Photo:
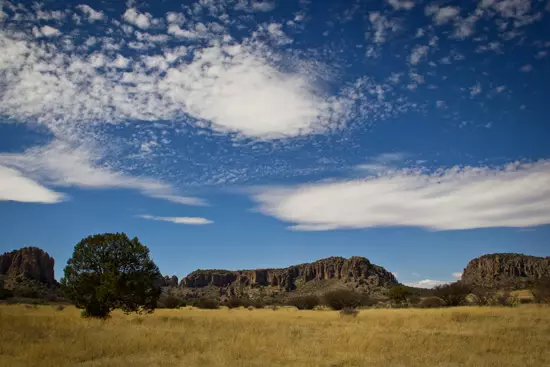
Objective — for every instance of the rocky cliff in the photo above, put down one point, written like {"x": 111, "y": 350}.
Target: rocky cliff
{"x": 506, "y": 270}
{"x": 356, "y": 272}
{"x": 28, "y": 263}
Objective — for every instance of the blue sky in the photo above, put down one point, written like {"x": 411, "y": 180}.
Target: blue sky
{"x": 242, "y": 133}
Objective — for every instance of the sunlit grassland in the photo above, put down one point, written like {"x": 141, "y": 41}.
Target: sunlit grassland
{"x": 465, "y": 336}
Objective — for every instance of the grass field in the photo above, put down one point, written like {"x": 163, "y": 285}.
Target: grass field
{"x": 466, "y": 336}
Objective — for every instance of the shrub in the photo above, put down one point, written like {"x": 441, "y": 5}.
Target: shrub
{"x": 414, "y": 300}
{"x": 483, "y": 296}
{"x": 430, "y": 302}
{"x": 398, "y": 294}
{"x": 5, "y": 293}
{"x": 348, "y": 311}
{"x": 506, "y": 299}
{"x": 208, "y": 304}
{"x": 304, "y": 302}
{"x": 234, "y": 302}
{"x": 541, "y": 292}
{"x": 258, "y": 304}
{"x": 250, "y": 308}
{"x": 171, "y": 301}
{"x": 340, "y": 299}
{"x": 453, "y": 294}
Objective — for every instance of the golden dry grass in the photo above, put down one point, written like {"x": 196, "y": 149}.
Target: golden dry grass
{"x": 467, "y": 336}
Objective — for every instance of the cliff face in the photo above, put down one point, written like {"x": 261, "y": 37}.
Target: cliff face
{"x": 29, "y": 263}
{"x": 355, "y": 269}
{"x": 506, "y": 270}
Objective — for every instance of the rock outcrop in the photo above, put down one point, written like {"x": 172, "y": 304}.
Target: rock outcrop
{"x": 356, "y": 270}
{"x": 506, "y": 270}
{"x": 168, "y": 281}
{"x": 28, "y": 263}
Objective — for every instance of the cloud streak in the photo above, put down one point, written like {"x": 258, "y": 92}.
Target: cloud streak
{"x": 515, "y": 195}
{"x": 61, "y": 165}
{"x": 194, "y": 221}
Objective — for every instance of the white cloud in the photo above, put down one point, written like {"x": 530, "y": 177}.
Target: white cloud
{"x": 255, "y": 5}
{"x": 93, "y": 15}
{"x": 179, "y": 220}
{"x": 457, "y": 275}
{"x": 442, "y": 15}
{"x": 247, "y": 88}
{"x": 527, "y": 68}
{"x": 418, "y": 53}
{"x": 427, "y": 283}
{"x": 176, "y": 31}
{"x": 276, "y": 33}
{"x": 46, "y": 31}
{"x": 381, "y": 25}
{"x": 16, "y": 187}
{"x": 475, "y": 90}
{"x": 121, "y": 62}
{"x": 59, "y": 164}
{"x": 516, "y": 195}
{"x": 401, "y": 4}
{"x": 140, "y": 20}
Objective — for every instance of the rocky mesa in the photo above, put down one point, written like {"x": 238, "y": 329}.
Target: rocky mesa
{"x": 356, "y": 272}
{"x": 506, "y": 270}
{"x": 28, "y": 263}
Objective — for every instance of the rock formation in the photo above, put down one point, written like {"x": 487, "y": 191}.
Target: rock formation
{"x": 355, "y": 271}
{"x": 28, "y": 263}
{"x": 506, "y": 270}
{"x": 168, "y": 281}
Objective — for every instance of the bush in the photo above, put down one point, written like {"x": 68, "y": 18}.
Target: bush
{"x": 541, "y": 292}
{"x": 453, "y": 294}
{"x": 506, "y": 299}
{"x": 430, "y": 302}
{"x": 171, "y": 301}
{"x": 340, "y": 299}
{"x": 483, "y": 296}
{"x": 5, "y": 293}
{"x": 257, "y": 304}
{"x": 398, "y": 294}
{"x": 304, "y": 302}
{"x": 234, "y": 302}
{"x": 208, "y": 304}
{"x": 348, "y": 311}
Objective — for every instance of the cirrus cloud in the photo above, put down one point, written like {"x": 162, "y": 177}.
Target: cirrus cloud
{"x": 197, "y": 221}
{"x": 515, "y": 195}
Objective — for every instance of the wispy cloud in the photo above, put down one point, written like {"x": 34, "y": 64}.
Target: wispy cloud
{"x": 515, "y": 195}
{"x": 61, "y": 165}
{"x": 427, "y": 283}
{"x": 457, "y": 275}
{"x": 14, "y": 186}
{"x": 179, "y": 220}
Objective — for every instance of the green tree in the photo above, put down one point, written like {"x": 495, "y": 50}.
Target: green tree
{"x": 399, "y": 294}
{"x": 109, "y": 271}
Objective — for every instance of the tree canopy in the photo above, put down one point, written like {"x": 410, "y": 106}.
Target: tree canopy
{"x": 109, "y": 271}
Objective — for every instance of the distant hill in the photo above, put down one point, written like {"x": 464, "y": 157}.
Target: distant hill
{"x": 28, "y": 272}
{"x": 311, "y": 278}
{"x": 515, "y": 271}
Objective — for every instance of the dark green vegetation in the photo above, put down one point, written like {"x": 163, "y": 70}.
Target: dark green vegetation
{"x": 110, "y": 271}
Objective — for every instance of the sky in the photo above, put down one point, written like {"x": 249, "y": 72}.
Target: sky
{"x": 244, "y": 134}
